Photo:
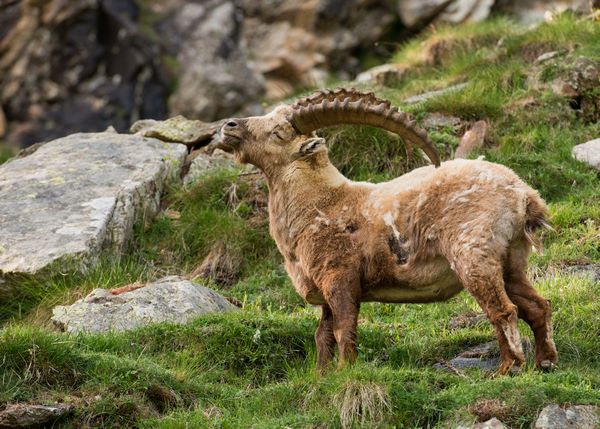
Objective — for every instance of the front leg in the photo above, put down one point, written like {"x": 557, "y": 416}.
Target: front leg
{"x": 325, "y": 339}
{"x": 342, "y": 293}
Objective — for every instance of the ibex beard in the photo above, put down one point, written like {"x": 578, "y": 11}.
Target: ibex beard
{"x": 422, "y": 237}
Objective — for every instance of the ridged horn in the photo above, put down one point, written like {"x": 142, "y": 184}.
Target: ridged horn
{"x": 349, "y": 106}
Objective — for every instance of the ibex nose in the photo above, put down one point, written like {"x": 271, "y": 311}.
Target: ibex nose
{"x": 232, "y": 124}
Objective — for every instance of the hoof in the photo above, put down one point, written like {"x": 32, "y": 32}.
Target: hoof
{"x": 547, "y": 366}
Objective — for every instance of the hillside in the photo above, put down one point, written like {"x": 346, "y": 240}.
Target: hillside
{"x": 255, "y": 367}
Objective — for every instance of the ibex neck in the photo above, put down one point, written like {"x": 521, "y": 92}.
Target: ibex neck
{"x": 307, "y": 180}
{"x": 299, "y": 191}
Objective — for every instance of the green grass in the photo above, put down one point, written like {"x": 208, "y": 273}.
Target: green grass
{"x": 255, "y": 367}
{"x": 5, "y": 153}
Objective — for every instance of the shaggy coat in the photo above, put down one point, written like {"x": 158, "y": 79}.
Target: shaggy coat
{"x": 422, "y": 237}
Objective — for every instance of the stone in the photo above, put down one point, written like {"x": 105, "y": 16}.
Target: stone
{"x": 416, "y": 13}
{"x": 436, "y": 120}
{"x": 533, "y": 12}
{"x": 15, "y": 416}
{"x": 76, "y": 196}
{"x": 383, "y": 75}
{"x": 467, "y": 11}
{"x": 547, "y": 56}
{"x": 171, "y": 299}
{"x": 472, "y": 140}
{"x": 178, "y": 129}
{"x": 432, "y": 94}
{"x": 572, "y": 417}
{"x": 591, "y": 270}
{"x": 589, "y": 153}
{"x": 80, "y": 65}
{"x": 217, "y": 78}
{"x": 485, "y": 356}
{"x": 492, "y": 423}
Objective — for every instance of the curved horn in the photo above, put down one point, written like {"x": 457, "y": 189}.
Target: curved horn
{"x": 341, "y": 106}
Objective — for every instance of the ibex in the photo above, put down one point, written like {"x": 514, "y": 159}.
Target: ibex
{"x": 422, "y": 237}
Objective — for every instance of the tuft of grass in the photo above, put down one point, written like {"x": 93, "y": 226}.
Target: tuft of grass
{"x": 362, "y": 403}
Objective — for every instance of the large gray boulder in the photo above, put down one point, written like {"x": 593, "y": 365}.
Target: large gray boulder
{"x": 171, "y": 299}
{"x": 78, "y": 195}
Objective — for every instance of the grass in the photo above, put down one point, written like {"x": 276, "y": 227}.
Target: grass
{"x": 255, "y": 367}
{"x": 5, "y": 153}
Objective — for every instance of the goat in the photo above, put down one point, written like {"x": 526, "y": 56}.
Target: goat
{"x": 419, "y": 238}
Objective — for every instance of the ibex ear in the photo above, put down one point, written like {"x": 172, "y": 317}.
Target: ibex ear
{"x": 310, "y": 146}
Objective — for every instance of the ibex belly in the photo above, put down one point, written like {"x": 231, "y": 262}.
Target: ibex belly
{"x": 437, "y": 282}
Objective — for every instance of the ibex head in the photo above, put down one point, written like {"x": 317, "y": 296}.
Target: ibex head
{"x": 287, "y": 133}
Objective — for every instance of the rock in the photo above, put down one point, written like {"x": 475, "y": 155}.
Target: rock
{"x": 589, "y": 153}
{"x": 171, "y": 299}
{"x": 15, "y": 416}
{"x": 467, "y": 11}
{"x": 572, "y": 417}
{"x": 78, "y": 195}
{"x": 574, "y": 78}
{"x": 384, "y": 75}
{"x": 547, "y": 56}
{"x": 472, "y": 139}
{"x": 203, "y": 164}
{"x": 216, "y": 77}
{"x": 485, "y": 356}
{"x": 492, "y": 423}
{"x": 531, "y": 12}
{"x": 592, "y": 270}
{"x": 437, "y": 120}
{"x": 179, "y": 129}
{"x": 432, "y": 94}
{"x": 415, "y": 13}
{"x": 76, "y": 66}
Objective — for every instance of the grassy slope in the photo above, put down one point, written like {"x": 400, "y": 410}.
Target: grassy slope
{"x": 255, "y": 368}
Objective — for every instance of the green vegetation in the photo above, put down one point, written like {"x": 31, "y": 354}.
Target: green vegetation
{"x": 255, "y": 368}
{"x": 5, "y": 153}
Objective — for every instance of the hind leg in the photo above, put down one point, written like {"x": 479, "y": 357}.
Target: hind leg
{"x": 533, "y": 308}
{"x": 482, "y": 277}
{"x": 536, "y": 311}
